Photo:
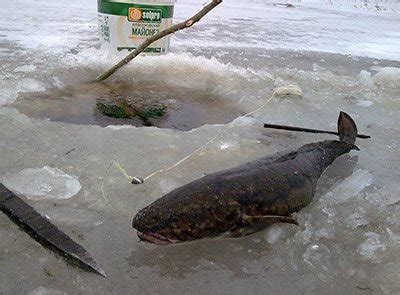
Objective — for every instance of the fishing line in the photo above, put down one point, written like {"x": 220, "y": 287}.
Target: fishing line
{"x": 140, "y": 180}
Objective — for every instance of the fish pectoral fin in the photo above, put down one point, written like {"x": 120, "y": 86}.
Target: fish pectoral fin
{"x": 279, "y": 218}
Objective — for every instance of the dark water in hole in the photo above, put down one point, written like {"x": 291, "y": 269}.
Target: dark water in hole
{"x": 184, "y": 109}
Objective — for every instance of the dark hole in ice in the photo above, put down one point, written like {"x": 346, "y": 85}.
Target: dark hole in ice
{"x": 121, "y": 103}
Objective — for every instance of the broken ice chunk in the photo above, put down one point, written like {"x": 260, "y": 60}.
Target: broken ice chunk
{"x": 318, "y": 256}
{"x": 372, "y": 247}
{"x": 25, "y": 69}
{"x": 365, "y": 79}
{"x": 387, "y": 195}
{"x": 42, "y": 183}
{"x": 30, "y": 85}
{"x": 317, "y": 68}
{"x": 325, "y": 232}
{"x": 388, "y": 77}
{"x": 274, "y": 234}
{"x": 351, "y": 186}
{"x": 357, "y": 219}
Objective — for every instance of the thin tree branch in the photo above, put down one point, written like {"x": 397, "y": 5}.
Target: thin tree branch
{"x": 300, "y": 129}
{"x": 183, "y": 25}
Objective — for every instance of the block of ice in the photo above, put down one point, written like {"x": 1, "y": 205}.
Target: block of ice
{"x": 357, "y": 219}
{"x": 372, "y": 246}
{"x": 387, "y": 77}
{"x": 365, "y": 79}
{"x": 25, "y": 69}
{"x": 351, "y": 186}
{"x": 389, "y": 194}
{"x": 42, "y": 183}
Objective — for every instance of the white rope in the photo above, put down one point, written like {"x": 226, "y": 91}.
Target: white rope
{"x": 138, "y": 180}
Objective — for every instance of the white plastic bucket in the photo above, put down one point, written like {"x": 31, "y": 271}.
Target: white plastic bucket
{"x": 125, "y": 24}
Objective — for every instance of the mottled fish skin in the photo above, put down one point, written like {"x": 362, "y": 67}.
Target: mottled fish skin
{"x": 216, "y": 204}
{"x": 44, "y": 232}
{"x": 245, "y": 199}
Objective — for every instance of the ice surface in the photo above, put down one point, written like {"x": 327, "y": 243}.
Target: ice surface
{"x": 348, "y": 238}
{"x": 42, "y": 183}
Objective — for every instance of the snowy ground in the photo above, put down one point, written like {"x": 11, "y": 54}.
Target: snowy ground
{"x": 343, "y": 57}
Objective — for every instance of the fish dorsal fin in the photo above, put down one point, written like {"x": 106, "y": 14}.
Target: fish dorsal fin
{"x": 347, "y": 128}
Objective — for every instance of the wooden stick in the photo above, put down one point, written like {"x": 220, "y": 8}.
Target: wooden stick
{"x": 183, "y": 25}
{"x": 300, "y": 129}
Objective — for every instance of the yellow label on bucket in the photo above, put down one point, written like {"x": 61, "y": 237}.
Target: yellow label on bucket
{"x": 134, "y": 14}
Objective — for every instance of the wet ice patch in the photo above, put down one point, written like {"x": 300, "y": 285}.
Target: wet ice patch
{"x": 42, "y": 183}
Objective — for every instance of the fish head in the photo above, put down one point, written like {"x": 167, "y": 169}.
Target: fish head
{"x": 156, "y": 226}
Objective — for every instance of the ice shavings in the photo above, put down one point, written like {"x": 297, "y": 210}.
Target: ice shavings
{"x": 42, "y": 183}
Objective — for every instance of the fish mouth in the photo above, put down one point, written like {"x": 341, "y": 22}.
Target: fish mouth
{"x": 155, "y": 238}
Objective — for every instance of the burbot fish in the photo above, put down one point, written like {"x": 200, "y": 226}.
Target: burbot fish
{"x": 245, "y": 199}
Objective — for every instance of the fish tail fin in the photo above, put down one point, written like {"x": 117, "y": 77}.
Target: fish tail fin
{"x": 347, "y": 128}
